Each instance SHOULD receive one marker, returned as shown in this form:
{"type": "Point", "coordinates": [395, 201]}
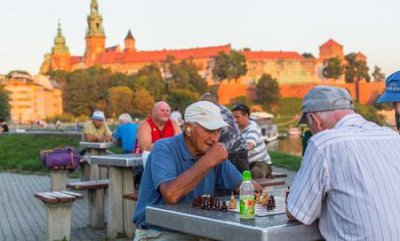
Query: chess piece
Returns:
{"type": "Point", "coordinates": [272, 200]}
{"type": "Point", "coordinates": [232, 202]}
{"type": "Point", "coordinates": [256, 197]}
{"type": "Point", "coordinates": [224, 207]}
{"type": "Point", "coordinates": [287, 193]}
{"type": "Point", "coordinates": [264, 200]}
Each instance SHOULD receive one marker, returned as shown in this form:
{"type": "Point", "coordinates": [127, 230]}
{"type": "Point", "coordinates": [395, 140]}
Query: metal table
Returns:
{"type": "Point", "coordinates": [227, 225]}
{"type": "Point", "coordinates": [93, 172]}
{"type": "Point", "coordinates": [121, 182]}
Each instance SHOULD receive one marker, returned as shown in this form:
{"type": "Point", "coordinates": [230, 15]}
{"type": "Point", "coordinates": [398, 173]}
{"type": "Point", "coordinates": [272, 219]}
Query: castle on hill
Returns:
{"type": "Point", "coordinates": [290, 68]}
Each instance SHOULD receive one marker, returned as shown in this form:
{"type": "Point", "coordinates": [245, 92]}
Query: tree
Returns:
{"type": "Point", "coordinates": [149, 78]}
{"type": "Point", "coordinates": [120, 100]}
{"type": "Point", "coordinates": [185, 75]}
{"type": "Point", "coordinates": [355, 69]}
{"type": "Point", "coordinates": [267, 90]}
{"type": "Point", "coordinates": [143, 103]}
{"type": "Point", "coordinates": [4, 103]}
{"type": "Point", "coordinates": [182, 98]}
{"type": "Point", "coordinates": [333, 68]}
{"type": "Point", "coordinates": [307, 55]}
{"type": "Point", "coordinates": [229, 66]}
{"type": "Point", "coordinates": [378, 75]}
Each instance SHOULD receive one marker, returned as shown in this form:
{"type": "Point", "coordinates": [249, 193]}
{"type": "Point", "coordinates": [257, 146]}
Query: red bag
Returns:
{"type": "Point", "coordinates": [63, 158]}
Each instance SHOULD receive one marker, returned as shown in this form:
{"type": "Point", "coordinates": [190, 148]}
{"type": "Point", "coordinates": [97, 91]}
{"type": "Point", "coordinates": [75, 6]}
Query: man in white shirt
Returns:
{"type": "Point", "coordinates": [350, 173]}
{"type": "Point", "coordinates": [259, 159]}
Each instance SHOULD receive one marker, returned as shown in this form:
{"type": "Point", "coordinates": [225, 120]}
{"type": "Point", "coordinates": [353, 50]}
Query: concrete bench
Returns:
{"type": "Point", "coordinates": [96, 193]}
{"type": "Point", "coordinates": [268, 182]}
{"type": "Point", "coordinates": [278, 175]}
{"type": "Point", "coordinates": [59, 212]}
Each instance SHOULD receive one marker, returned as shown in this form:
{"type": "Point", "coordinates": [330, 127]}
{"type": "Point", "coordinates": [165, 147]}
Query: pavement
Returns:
{"type": "Point", "coordinates": [23, 217]}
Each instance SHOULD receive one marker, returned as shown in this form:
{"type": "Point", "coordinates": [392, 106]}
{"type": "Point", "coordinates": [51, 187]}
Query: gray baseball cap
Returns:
{"type": "Point", "coordinates": [325, 98]}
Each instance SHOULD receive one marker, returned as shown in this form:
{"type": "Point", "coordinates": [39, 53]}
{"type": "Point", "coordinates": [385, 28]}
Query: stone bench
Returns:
{"type": "Point", "coordinates": [59, 212]}
{"type": "Point", "coordinates": [96, 195]}
{"type": "Point", "coordinates": [269, 182]}
{"type": "Point", "coordinates": [278, 174]}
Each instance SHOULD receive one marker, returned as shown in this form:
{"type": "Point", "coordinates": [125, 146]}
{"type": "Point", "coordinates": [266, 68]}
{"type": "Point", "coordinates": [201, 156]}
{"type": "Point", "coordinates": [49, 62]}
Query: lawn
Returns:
{"type": "Point", "coordinates": [20, 152]}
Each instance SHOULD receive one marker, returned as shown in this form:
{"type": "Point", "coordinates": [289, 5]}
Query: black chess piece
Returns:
{"type": "Point", "coordinates": [224, 207]}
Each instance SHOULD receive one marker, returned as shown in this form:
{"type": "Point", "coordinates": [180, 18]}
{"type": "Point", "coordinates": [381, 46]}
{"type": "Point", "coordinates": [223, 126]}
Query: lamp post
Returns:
{"type": "Point", "coordinates": [357, 83]}
{"type": "Point", "coordinates": [166, 76]}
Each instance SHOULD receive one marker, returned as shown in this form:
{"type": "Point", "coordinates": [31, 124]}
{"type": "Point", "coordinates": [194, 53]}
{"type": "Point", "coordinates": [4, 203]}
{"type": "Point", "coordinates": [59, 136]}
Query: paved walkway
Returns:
{"type": "Point", "coordinates": [22, 217]}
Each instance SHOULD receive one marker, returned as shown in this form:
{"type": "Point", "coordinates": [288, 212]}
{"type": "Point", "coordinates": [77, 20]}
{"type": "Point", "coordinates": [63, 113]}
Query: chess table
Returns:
{"type": "Point", "coordinates": [227, 225]}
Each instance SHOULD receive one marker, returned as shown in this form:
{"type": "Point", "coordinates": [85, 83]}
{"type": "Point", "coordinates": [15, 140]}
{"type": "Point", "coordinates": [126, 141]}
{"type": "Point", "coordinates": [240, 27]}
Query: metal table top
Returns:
{"type": "Point", "coordinates": [117, 160]}
{"type": "Point", "coordinates": [96, 145]}
{"type": "Point", "coordinates": [227, 225]}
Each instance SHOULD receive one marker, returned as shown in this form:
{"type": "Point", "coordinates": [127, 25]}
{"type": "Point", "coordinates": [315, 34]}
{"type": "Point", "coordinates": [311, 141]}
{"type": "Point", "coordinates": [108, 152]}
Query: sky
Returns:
{"type": "Point", "coordinates": [28, 28]}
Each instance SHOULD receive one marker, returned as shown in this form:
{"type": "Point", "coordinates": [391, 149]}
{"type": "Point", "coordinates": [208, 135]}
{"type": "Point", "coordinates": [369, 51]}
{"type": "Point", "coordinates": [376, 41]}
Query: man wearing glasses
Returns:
{"type": "Point", "coordinates": [185, 166]}
{"type": "Point", "coordinates": [259, 159]}
{"type": "Point", "coordinates": [350, 171]}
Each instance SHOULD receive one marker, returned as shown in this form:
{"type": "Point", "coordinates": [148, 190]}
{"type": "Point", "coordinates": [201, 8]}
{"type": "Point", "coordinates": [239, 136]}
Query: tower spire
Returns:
{"type": "Point", "coordinates": [95, 37]}
{"type": "Point", "coordinates": [95, 21]}
{"type": "Point", "coordinates": [60, 46]}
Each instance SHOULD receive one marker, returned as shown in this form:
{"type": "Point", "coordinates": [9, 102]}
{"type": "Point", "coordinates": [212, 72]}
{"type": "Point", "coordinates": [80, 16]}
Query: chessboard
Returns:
{"type": "Point", "coordinates": [261, 211]}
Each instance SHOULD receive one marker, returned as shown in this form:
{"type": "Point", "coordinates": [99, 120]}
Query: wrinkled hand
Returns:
{"type": "Point", "coordinates": [257, 187]}
{"type": "Point", "coordinates": [216, 154]}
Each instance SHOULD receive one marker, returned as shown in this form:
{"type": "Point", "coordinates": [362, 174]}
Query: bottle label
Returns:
{"type": "Point", "coordinates": [247, 206]}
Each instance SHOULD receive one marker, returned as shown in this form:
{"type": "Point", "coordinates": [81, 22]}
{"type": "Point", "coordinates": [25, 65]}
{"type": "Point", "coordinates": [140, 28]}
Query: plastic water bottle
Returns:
{"type": "Point", "coordinates": [247, 205]}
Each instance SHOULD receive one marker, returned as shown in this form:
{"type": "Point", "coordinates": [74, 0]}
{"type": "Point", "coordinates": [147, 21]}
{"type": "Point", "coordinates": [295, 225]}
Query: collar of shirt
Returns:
{"type": "Point", "coordinates": [180, 141]}
{"type": "Point", "coordinates": [350, 120]}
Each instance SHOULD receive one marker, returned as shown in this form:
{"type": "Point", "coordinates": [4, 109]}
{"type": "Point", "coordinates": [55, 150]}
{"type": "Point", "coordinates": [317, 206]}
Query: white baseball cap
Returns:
{"type": "Point", "coordinates": [206, 114]}
{"type": "Point", "coordinates": [98, 115]}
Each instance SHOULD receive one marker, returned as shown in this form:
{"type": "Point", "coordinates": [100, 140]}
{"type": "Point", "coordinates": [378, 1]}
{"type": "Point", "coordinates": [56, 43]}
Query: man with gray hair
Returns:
{"type": "Point", "coordinates": [125, 135]}
{"type": "Point", "coordinates": [350, 171]}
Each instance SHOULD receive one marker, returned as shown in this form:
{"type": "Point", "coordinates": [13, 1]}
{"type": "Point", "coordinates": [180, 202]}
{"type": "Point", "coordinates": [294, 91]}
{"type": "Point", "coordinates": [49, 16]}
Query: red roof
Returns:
{"type": "Point", "coordinates": [253, 55]}
{"type": "Point", "coordinates": [331, 42]}
{"type": "Point", "coordinates": [361, 56]}
{"type": "Point", "coordinates": [75, 59]}
{"type": "Point", "coordinates": [111, 57]}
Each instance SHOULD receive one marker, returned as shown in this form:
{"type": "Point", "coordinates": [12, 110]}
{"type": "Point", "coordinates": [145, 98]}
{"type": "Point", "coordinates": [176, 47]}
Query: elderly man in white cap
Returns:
{"type": "Point", "coordinates": [97, 130]}
{"type": "Point", "coordinates": [185, 166]}
{"type": "Point", "coordinates": [350, 173]}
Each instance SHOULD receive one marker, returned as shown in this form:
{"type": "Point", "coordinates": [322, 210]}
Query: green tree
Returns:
{"type": "Point", "coordinates": [143, 103]}
{"type": "Point", "coordinates": [355, 69]}
{"type": "Point", "coordinates": [333, 68]}
{"type": "Point", "coordinates": [149, 78]}
{"type": "Point", "coordinates": [184, 75]}
{"type": "Point", "coordinates": [182, 98]}
{"type": "Point", "coordinates": [229, 66]}
{"type": "Point", "coordinates": [120, 100]}
{"type": "Point", "coordinates": [267, 90]}
{"type": "Point", "coordinates": [307, 55]}
{"type": "Point", "coordinates": [4, 103]}
{"type": "Point", "coordinates": [378, 75]}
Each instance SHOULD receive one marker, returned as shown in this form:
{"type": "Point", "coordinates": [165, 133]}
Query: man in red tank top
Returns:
{"type": "Point", "coordinates": [157, 126]}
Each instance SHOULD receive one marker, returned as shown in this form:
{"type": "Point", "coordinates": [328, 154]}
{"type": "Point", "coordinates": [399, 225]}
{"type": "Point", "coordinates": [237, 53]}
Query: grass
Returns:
{"type": "Point", "coordinates": [20, 152]}
{"type": "Point", "coordinates": [284, 160]}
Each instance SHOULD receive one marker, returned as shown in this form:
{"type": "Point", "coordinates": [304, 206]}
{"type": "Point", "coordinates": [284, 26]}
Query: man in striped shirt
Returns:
{"type": "Point", "coordinates": [350, 174]}
{"type": "Point", "coordinates": [259, 159]}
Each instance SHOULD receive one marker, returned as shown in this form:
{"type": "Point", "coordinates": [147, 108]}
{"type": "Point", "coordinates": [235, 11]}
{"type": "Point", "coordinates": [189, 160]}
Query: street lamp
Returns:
{"type": "Point", "coordinates": [166, 76]}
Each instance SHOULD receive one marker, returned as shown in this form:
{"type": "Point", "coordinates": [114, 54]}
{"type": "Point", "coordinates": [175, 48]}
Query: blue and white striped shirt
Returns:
{"type": "Point", "coordinates": [350, 179]}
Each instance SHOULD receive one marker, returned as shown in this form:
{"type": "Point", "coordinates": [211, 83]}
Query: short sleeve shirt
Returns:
{"type": "Point", "coordinates": [169, 158]}
{"type": "Point", "coordinates": [230, 136]}
{"type": "Point", "coordinates": [252, 134]}
{"type": "Point", "coordinates": [89, 128]}
{"type": "Point", "coordinates": [126, 134]}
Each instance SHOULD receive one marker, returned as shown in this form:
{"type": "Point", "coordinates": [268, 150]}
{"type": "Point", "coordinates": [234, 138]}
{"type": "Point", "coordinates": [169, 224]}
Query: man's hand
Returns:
{"type": "Point", "coordinates": [257, 187]}
{"type": "Point", "coordinates": [216, 154]}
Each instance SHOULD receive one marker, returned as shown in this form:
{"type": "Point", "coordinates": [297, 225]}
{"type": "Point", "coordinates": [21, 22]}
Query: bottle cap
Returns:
{"type": "Point", "coordinates": [246, 176]}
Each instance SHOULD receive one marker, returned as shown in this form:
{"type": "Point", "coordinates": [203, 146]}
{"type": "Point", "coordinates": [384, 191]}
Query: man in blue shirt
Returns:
{"type": "Point", "coordinates": [126, 133]}
{"type": "Point", "coordinates": [183, 167]}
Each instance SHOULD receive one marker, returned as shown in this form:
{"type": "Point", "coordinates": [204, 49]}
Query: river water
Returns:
{"type": "Point", "coordinates": [291, 145]}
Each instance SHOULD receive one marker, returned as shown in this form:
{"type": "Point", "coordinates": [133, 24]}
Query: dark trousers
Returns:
{"type": "Point", "coordinates": [240, 160]}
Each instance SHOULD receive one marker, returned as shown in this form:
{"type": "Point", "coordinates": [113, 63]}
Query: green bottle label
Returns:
{"type": "Point", "coordinates": [247, 206]}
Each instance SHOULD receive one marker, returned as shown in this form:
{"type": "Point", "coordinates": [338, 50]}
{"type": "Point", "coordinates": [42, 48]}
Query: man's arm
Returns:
{"type": "Point", "coordinates": [144, 137]}
{"type": "Point", "coordinates": [92, 138]}
{"type": "Point", "coordinates": [177, 129]}
{"type": "Point", "coordinates": [173, 191]}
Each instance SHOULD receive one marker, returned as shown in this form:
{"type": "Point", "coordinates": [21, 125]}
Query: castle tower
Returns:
{"type": "Point", "coordinates": [330, 49]}
{"type": "Point", "coordinates": [130, 42]}
{"type": "Point", "coordinates": [59, 57]}
{"type": "Point", "coordinates": [95, 37]}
